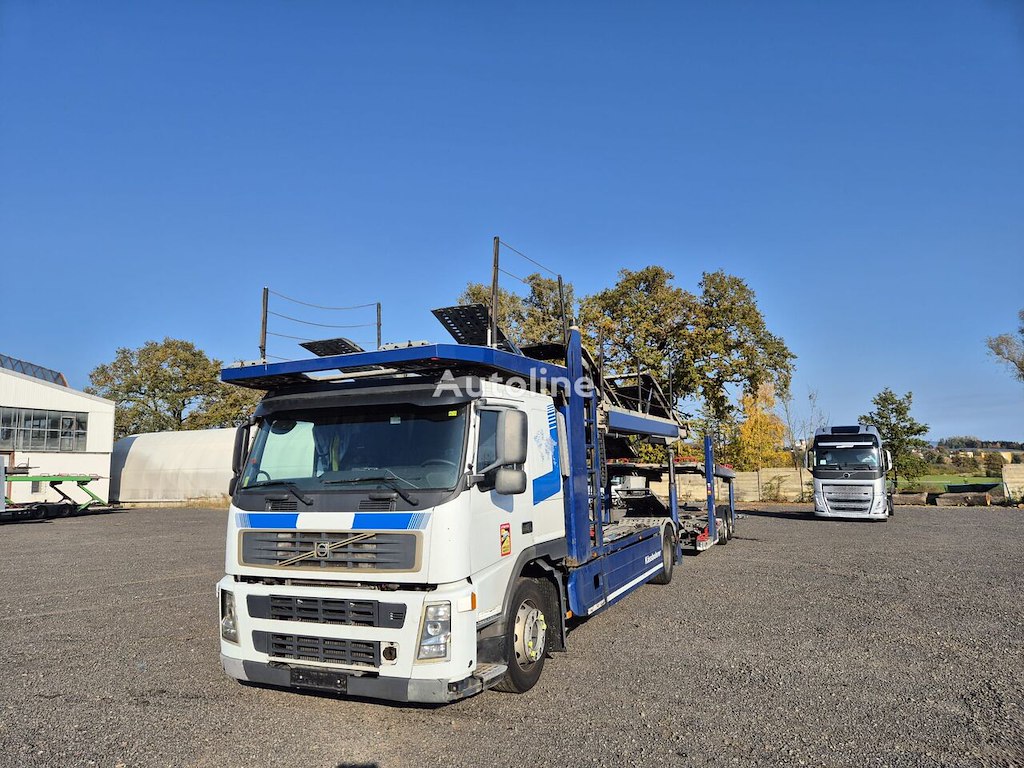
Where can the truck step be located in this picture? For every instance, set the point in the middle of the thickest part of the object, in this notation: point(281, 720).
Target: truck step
point(489, 673)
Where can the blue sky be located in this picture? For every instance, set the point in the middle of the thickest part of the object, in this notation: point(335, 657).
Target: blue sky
point(859, 164)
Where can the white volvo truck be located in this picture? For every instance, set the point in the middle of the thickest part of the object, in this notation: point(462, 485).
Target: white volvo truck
point(849, 467)
point(424, 522)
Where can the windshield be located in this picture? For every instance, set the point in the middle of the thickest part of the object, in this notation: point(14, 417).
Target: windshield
point(405, 446)
point(826, 457)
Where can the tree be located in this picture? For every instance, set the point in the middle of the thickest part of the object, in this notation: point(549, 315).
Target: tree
point(532, 319)
point(1018, 458)
point(960, 442)
point(166, 386)
point(704, 344)
point(900, 432)
point(966, 462)
point(994, 462)
point(936, 456)
point(1010, 350)
point(636, 324)
point(724, 341)
point(511, 307)
point(800, 428)
point(758, 437)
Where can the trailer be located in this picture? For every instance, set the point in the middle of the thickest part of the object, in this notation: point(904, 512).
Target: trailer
point(44, 510)
point(426, 521)
point(699, 528)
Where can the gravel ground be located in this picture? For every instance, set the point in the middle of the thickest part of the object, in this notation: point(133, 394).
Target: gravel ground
point(801, 642)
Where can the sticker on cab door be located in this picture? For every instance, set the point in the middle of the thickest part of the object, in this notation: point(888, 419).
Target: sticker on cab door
point(506, 539)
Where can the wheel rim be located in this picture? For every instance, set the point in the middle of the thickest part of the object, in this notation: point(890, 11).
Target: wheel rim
point(531, 632)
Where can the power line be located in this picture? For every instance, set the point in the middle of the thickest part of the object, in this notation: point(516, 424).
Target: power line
point(532, 261)
point(286, 336)
point(321, 325)
point(517, 277)
point(318, 306)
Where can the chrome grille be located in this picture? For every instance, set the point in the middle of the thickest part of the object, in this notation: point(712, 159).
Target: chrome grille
point(327, 610)
point(328, 650)
point(848, 498)
point(316, 550)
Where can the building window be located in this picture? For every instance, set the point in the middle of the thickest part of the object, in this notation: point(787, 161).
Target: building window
point(31, 429)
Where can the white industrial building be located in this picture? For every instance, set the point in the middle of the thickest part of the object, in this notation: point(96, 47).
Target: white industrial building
point(53, 430)
point(168, 467)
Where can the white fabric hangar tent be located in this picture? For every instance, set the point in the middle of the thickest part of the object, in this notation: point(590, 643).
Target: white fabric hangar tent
point(172, 466)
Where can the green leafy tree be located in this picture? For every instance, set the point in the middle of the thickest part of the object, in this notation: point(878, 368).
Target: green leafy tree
point(900, 432)
point(166, 386)
point(636, 324)
point(966, 463)
point(994, 462)
point(724, 342)
point(703, 343)
point(1009, 348)
point(511, 307)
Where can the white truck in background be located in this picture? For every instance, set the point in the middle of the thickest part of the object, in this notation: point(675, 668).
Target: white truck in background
point(849, 466)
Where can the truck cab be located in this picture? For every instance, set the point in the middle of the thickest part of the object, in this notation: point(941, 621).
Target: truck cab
point(849, 467)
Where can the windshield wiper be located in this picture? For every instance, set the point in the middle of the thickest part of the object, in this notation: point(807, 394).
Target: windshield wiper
point(388, 481)
point(285, 484)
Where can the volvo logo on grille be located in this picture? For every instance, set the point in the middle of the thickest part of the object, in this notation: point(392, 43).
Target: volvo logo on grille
point(322, 549)
point(846, 475)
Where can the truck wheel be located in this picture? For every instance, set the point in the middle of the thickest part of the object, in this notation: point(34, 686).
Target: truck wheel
point(668, 556)
point(526, 638)
point(726, 514)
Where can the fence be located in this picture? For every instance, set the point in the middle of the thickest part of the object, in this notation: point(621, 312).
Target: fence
point(766, 485)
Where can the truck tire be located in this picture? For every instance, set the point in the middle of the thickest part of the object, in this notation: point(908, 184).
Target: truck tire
point(726, 514)
point(526, 637)
point(668, 555)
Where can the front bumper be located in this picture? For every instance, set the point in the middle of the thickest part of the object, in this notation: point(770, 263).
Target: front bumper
point(399, 676)
point(351, 684)
point(878, 510)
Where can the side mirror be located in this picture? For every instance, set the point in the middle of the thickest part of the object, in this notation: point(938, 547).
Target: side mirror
point(511, 438)
point(888, 461)
point(238, 456)
point(808, 459)
point(509, 482)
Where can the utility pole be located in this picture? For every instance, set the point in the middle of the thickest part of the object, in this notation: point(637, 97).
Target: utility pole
point(263, 326)
point(492, 331)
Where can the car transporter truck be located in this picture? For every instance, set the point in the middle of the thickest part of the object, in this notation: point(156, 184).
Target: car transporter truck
point(425, 521)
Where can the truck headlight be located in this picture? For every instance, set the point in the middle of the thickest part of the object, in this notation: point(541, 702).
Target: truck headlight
point(228, 617)
point(436, 631)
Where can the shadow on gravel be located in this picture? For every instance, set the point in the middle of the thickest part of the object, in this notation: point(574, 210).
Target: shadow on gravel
point(798, 515)
point(345, 697)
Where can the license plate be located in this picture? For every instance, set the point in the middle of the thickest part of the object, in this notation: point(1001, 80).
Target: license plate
point(319, 679)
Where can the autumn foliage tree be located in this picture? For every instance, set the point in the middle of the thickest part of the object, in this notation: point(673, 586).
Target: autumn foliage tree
point(758, 437)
